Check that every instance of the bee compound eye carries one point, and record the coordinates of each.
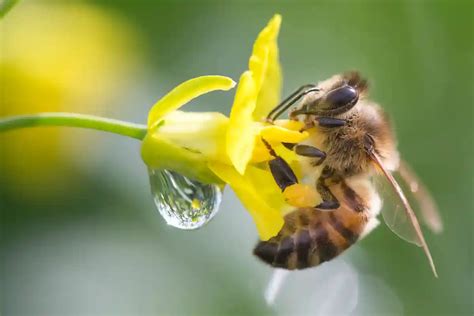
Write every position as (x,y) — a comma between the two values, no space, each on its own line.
(341,97)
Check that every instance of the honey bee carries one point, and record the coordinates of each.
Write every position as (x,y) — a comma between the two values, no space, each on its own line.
(350,150)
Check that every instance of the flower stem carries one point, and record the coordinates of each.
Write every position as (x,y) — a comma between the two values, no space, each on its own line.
(133,130)
(6,6)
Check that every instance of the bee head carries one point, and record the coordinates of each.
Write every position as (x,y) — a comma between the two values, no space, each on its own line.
(335,96)
(337,101)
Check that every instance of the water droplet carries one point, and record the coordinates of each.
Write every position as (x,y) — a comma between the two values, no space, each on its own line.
(184,203)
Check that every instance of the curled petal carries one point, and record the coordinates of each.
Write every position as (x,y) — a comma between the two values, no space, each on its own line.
(284,131)
(256,191)
(184,93)
(273,133)
(290,124)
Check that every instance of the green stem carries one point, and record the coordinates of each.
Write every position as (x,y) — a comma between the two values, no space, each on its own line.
(6,6)
(133,130)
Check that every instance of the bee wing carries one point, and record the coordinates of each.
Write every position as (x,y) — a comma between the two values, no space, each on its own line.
(401,219)
(421,197)
(418,197)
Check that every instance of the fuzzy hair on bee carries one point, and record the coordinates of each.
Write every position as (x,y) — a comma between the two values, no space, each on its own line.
(345,145)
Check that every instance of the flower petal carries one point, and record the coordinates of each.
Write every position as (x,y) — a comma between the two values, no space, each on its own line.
(184,93)
(242,133)
(284,131)
(254,189)
(273,133)
(290,124)
(199,132)
(260,152)
(265,66)
(160,153)
(240,138)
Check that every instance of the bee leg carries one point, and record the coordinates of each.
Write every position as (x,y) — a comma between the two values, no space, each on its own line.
(292,99)
(280,169)
(307,151)
(329,202)
(354,201)
(310,151)
(330,122)
(282,173)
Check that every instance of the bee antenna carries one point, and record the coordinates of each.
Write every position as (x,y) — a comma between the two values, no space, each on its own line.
(289,101)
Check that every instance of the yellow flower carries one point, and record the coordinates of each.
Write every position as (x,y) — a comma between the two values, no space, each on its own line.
(186,141)
(212,148)
(258,92)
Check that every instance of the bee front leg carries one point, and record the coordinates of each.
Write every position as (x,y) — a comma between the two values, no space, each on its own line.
(326,178)
(330,122)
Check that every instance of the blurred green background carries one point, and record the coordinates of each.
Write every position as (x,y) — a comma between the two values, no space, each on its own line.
(79,232)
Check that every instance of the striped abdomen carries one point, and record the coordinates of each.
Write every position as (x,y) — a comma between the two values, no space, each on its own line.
(310,237)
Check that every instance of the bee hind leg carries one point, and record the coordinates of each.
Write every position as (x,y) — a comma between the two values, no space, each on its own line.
(329,202)
(330,122)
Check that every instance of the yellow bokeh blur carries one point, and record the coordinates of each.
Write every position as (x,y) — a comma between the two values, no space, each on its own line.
(58,56)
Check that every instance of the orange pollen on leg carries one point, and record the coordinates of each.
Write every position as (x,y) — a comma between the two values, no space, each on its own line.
(301,195)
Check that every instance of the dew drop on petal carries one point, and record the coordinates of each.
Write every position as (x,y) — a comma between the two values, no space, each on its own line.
(184,203)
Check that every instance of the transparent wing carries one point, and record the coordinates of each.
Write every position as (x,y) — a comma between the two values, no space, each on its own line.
(419,197)
(397,211)
(393,211)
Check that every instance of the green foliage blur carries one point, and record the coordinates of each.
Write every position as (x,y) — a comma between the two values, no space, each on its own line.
(83,237)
